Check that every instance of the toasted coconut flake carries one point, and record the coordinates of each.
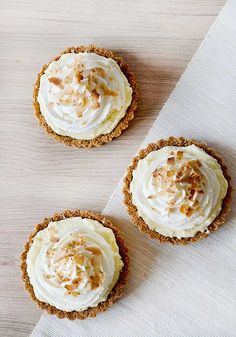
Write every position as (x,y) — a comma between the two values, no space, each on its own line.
(79,259)
(189,180)
(197,179)
(73,293)
(100,71)
(59,277)
(195,164)
(69,287)
(157,172)
(91,80)
(94,250)
(84,101)
(55,80)
(189,212)
(184,208)
(76,281)
(79,76)
(107,91)
(170,173)
(71,290)
(195,186)
(79,72)
(198,163)
(95,97)
(65,279)
(171,160)
(179,155)
(195,195)
(96,280)
(191,194)
(93,261)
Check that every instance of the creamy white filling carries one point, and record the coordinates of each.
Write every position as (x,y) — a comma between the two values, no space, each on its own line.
(178,209)
(83,95)
(74,263)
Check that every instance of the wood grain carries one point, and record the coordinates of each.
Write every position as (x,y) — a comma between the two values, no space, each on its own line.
(38,176)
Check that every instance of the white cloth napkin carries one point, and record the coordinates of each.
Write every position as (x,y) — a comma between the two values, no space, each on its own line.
(174,290)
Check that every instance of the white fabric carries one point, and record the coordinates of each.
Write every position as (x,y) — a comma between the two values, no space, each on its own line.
(174,290)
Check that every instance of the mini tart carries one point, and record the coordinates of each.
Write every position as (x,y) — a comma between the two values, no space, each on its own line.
(133,211)
(103,138)
(115,292)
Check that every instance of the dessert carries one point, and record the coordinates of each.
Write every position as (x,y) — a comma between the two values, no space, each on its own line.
(85,97)
(75,264)
(177,190)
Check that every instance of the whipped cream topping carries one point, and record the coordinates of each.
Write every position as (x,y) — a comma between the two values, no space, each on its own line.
(178,191)
(73,264)
(83,95)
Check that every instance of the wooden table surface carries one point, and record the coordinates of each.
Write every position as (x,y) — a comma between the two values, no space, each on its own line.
(39,176)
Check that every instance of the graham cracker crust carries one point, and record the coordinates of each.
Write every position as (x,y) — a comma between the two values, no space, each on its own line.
(123,123)
(132,210)
(115,293)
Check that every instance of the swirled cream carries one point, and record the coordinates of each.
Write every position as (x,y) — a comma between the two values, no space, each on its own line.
(73,264)
(178,191)
(83,95)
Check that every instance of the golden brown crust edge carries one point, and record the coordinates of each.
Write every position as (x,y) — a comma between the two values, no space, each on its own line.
(115,293)
(132,210)
(123,123)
